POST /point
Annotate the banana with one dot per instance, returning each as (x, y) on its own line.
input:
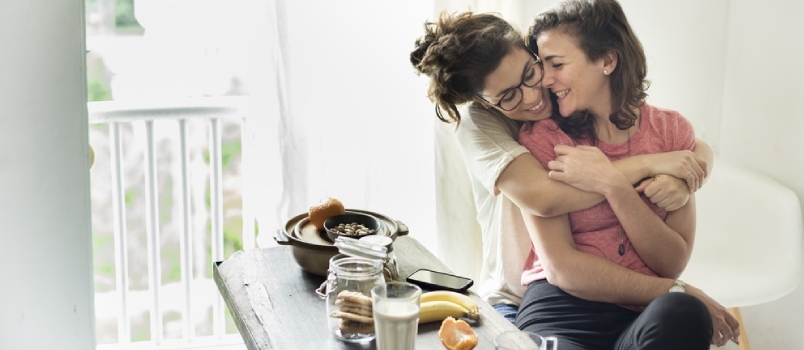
(439, 310)
(454, 297)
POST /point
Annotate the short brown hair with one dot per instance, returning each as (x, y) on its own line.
(600, 26)
(457, 53)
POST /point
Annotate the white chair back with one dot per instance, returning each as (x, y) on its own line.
(748, 242)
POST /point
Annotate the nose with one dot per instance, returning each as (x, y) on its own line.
(549, 78)
(531, 94)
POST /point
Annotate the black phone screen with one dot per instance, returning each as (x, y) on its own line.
(439, 280)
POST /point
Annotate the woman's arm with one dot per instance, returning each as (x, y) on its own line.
(594, 278)
(528, 184)
(665, 247)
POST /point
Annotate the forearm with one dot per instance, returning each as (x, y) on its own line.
(663, 249)
(527, 184)
(595, 278)
(703, 150)
(584, 275)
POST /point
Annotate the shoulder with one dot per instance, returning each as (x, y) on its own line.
(659, 114)
(476, 119)
(664, 118)
(668, 125)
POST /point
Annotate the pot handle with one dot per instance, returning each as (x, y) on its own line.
(403, 229)
(281, 237)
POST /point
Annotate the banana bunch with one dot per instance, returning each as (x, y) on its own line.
(438, 305)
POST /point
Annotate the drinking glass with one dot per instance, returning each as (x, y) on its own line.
(396, 315)
(523, 340)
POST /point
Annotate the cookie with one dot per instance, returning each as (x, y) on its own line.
(354, 297)
(356, 310)
(346, 304)
(352, 317)
(351, 327)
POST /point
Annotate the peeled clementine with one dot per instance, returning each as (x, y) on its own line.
(457, 335)
(325, 209)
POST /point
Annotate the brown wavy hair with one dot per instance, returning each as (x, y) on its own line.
(457, 53)
(600, 26)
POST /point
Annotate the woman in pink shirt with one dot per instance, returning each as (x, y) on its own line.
(600, 277)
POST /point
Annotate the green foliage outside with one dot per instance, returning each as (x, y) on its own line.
(124, 19)
(99, 80)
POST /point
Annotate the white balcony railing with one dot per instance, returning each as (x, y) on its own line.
(194, 289)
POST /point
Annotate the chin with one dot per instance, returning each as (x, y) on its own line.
(566, 112)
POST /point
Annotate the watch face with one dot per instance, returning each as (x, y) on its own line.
(678, 289)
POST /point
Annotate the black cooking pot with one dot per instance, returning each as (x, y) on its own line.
(311, 247)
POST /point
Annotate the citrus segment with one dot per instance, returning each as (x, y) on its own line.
(457, 335)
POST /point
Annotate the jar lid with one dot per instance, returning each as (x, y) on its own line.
(351, 246)
(383, 241)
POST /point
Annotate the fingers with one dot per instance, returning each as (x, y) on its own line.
(556, 165)
(645, 183)
(669, 204)
(692, 182)
(716, 337)
(725, 333)
(563, 149)
(733, 324)
(557, 175)
(702, 164)
(651, 189)
(698, 166)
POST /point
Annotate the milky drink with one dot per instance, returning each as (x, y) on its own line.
(396, 323)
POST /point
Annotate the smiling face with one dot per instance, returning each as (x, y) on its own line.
(516, 67)
(579, 84)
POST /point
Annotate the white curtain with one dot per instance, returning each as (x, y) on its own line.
(339, 112)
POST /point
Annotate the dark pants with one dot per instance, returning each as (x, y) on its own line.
(672, 321)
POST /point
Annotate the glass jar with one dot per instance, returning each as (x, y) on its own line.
(390, 269)
(348, 295)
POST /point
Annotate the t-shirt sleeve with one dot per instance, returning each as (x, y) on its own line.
(685, 133)
(488, 144)
(540, 139)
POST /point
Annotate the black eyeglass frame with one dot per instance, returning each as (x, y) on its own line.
(519, 87)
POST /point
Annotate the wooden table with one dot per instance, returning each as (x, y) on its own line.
(274, 304)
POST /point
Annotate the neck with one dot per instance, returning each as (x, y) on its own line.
(607, 132)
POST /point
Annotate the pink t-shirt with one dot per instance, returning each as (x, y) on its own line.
(596, 230)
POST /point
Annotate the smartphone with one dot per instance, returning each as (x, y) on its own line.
(435, 280)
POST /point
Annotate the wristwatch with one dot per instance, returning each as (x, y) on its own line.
(678, 287)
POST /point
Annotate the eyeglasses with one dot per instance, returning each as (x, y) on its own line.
(530, 78)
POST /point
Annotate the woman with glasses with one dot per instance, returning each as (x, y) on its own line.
(595, 67)
(480, 64)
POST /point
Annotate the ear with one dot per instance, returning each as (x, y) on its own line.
(609, 62)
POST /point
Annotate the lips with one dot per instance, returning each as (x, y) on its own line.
(537, 107)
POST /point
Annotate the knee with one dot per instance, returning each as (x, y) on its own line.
(683, 310)
(683, 315)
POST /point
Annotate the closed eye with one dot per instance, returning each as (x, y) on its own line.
(531, 74)
(509, 96)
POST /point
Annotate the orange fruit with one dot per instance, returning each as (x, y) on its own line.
(325, 209)
(457, 335)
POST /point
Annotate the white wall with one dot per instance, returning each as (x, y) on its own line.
(46, 294)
